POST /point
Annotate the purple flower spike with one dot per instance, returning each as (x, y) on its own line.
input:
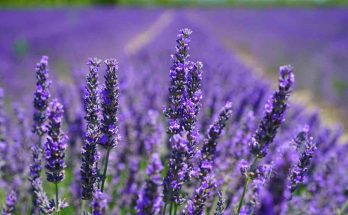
(92, 135)
(56, 143)
(178, 83)
(220, 208)
(99, 203)
(206, 162)
(41, 97)
(274, 115)
(11, 201)
(183, 106)
(150, 200)
(307, 146)
(110, 106)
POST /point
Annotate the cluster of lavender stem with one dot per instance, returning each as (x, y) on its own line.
(184, 103)
(192, 158)
(92, 135)
(102, 129)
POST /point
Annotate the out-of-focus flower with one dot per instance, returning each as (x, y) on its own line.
(11, 201)
(99, 203)
(150, 199)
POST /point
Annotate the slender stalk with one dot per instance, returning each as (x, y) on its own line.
(105, 169)
(343, 209)
(171, 208)
(175, 208)
(246, 183)
(57, 201)
(83, 205)
(164, 209)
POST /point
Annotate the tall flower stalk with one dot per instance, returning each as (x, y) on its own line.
(110, 108)
(41, 102)
(92, 135)
(55, 147)
(183, 106)
(274, 116)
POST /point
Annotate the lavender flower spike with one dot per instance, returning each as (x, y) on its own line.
(177, 88)
(41, 97)
(99, 203)
(178, 115)
(56, 143)
(45, 205)
(110, 106)
(195, 205)
(306, 144)
(2, 131)
(193, 96)
(209, 145)
(275, 110)
(11, 201)
(220, 208)
(89, 150)
(150, 200)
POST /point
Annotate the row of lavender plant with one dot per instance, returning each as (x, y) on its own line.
(248, 161)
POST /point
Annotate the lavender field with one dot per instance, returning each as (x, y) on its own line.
(194, 111)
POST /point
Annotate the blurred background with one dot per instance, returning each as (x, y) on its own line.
(312, 35)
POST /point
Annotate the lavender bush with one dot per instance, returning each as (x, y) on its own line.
(214, 150)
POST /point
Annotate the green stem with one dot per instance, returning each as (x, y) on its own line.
(171, 208)
(175, 208)
(57, 199)
(164, 209)
(243, 195)
(83, 206)
(343, 209)
(105, 168)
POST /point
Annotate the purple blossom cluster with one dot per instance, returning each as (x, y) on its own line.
(202, 156)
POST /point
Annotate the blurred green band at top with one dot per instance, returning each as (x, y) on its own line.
(176, 3)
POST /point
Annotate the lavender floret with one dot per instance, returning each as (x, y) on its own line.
(297, 174)
(45, 205)
(11, 201)
(89, 150)
(195, 206)
(150, 200)
(275, 111)
(99, 203)
(56, 143)
(220, 206)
